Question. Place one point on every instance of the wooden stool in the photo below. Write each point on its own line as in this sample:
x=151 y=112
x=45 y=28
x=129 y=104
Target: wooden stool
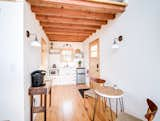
x=44 y=90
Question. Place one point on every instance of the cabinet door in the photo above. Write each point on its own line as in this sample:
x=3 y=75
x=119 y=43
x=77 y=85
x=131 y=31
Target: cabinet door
x=80 y=78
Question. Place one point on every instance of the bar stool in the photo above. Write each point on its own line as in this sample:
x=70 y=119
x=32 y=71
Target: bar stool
x=94 y=83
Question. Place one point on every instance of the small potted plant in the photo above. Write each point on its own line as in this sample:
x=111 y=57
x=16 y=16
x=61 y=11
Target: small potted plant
x=79 y=63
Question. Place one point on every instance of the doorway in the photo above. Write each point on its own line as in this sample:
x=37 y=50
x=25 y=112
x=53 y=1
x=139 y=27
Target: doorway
x=94 y=59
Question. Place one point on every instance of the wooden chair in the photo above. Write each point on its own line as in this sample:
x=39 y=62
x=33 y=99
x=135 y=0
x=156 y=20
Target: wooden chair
x=94 y=83
x=151 y=112
x=152 y=109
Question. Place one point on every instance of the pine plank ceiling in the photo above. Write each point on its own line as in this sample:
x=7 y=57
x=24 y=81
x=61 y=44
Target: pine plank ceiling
x=74 y=20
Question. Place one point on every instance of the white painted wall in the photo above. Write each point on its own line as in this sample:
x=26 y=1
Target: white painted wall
x=67 y=75
x=11 y=61
x=32 y=55
x=18 y=59
x=135 y=67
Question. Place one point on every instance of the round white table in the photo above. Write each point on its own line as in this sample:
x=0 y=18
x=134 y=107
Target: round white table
x=109 y=93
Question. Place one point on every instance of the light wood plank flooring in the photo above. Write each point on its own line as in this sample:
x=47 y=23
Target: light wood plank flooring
x=68 y=105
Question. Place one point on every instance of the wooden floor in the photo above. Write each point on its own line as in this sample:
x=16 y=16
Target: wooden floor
x=68 y=105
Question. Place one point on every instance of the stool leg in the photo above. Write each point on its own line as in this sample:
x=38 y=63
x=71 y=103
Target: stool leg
x=116 y=106
x=95 y=106
x=41 y=100
x=122 y=104
x=45 y=100
x=31 y=115
x=50 y=97
x=104 y=105
x=110 y=109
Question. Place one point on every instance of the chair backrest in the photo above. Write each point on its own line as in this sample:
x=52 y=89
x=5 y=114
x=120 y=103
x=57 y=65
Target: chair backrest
x=152 y=110
x=96 y=82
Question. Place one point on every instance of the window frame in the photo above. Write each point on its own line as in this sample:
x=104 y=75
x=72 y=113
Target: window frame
x=63 y=59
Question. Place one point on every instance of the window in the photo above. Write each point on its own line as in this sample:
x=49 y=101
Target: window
x=67 y=55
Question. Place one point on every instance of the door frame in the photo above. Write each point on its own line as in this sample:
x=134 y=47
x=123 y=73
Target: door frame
x=43 y=53
x=98 y=53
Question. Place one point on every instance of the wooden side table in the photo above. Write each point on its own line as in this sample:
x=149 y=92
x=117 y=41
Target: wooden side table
x=44 y=90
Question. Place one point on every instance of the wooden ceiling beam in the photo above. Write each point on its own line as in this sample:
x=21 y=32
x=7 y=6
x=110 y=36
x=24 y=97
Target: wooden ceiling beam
x=74 y=20
x=71 y=30
x=61 y=40
x=61 y=12
x=80 y=5
x=67 y=33
x=68 y=26
x=109 y=2
x=55 y=37
x=70 y=20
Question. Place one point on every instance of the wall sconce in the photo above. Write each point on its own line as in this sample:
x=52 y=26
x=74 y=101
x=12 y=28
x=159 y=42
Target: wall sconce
x=116 y=42
x=35 y=41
